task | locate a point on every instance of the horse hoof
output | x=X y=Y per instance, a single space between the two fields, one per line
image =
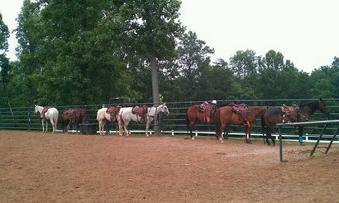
x=192 y=138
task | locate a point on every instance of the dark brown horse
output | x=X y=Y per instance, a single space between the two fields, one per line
x=278 y=114
x=73 y=117
x=306 y=110
x=226 y=116
x=200 y=113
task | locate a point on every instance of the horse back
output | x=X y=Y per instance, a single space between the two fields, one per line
x=227 y=115
x=101 y=114
x=192 y=111
x=273 y=115
x=52 y=113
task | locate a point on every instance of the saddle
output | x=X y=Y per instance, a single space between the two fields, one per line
x=113 y=111
x=140 y=111
x=290 y=113
x=43 y=112
x=241 y=110
x=203 y=107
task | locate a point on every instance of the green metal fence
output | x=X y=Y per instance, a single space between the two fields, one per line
x=24 y=118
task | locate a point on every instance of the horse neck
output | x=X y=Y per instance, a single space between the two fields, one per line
x=310 y=108
x=152 y=111
x=259 y=111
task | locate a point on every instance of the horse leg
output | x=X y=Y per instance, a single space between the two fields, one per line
x=99 y=127
x=147 y=127
x=43 y=125
x=226 y=131
x=103 y=131
x=191 y=126
x=46 y=126
x=55 y=124
x=221 y=130
x=52 y=123
x=67 y=126
x=268 y=135
x=301 y=132
x=273 y=140
x=125 y=128
x=248 y=129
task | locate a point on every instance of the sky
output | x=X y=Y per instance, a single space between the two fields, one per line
x=304 y=31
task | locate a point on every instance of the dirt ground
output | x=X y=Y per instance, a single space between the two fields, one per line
x=77 y=168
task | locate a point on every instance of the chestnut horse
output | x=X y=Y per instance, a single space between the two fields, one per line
x=73 y=117
x=226 y=116
x=195 y=114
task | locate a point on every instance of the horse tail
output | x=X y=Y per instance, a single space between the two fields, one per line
x=217 y=122
x=56 y=119
x=63 y=122
x=187 y=121
x=121 y=120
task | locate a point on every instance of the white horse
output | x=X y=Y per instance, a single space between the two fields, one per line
x=103 y=116
x=47 y=113
x=153 y=113
x=126 y=116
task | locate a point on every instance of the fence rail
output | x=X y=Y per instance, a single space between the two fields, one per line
x=24 y=118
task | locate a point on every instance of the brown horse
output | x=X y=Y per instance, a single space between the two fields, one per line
x=73 y=117
x=227 y=115
x=197 y=113
x=279 y=114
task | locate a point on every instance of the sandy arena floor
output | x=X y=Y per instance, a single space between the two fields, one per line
x=71 y=168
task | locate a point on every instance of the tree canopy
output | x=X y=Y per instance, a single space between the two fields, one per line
x=85 y=52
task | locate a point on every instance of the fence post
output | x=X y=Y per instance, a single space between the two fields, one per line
x=29 y=120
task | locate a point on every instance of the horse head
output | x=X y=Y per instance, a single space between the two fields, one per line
x=36 y=109
x=163 y=109
x=113 y=111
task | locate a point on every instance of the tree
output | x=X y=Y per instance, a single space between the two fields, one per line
x=244 y=63
x=69 y=51
x=326 y=80
x=280 y=79
x=181 y=76
x=275 y=61
x=152 y=27
x=4 y=62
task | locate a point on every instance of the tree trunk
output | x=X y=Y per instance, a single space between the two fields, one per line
x=155 y=89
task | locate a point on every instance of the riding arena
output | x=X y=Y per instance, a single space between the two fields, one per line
x=195 y=151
